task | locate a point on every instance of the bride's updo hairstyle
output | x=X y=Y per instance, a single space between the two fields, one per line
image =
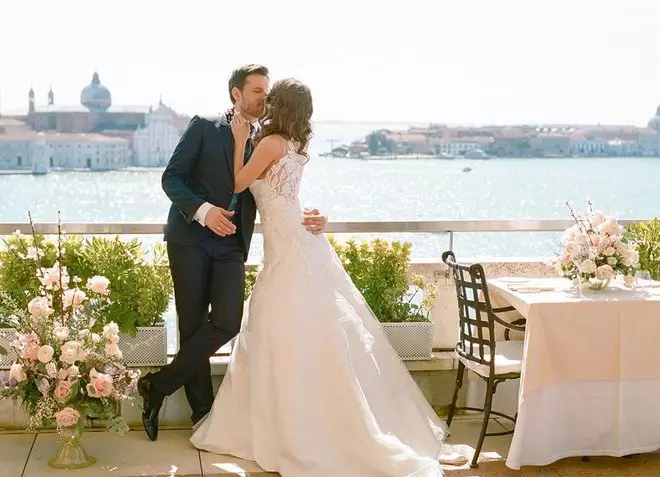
x=288 y=113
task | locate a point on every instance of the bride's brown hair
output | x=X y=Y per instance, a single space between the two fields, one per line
x=288 y=113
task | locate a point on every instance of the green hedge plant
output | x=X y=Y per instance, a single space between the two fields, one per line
x=140 y=291
x=379 y=270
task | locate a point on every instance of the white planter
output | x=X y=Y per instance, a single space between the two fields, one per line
x=147 y=348
x=7 y=336
x=412 y=341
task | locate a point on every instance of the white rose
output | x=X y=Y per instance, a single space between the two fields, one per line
x=51 y=370
x=609 y=251
x=573 y=249
x=74 y=298
x=111 y=328
x=45 y=354
x=95 y=338
x=630 y=258
x=61 y=332
x=610 y=227
x=612 y=261
x=16 y=373
x=73 y=371
x=83 y=333
x=72 y=351
x=98 y=284
x=588 y=266
x=39 y=307
x=604 y=272
x=596 y=218
x=52 y=277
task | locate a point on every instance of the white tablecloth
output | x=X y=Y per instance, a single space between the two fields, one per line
x=590 y=380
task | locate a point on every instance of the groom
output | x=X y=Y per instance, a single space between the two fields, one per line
x=207 y=247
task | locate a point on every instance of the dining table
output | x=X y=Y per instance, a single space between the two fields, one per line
x=590 y=380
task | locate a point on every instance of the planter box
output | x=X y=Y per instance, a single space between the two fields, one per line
x=147 y=348
x=412 y=341
x=7 y=336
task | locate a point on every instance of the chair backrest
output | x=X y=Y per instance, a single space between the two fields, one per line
x=476 y=317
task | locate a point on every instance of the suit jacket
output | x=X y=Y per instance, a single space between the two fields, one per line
x=202 y=170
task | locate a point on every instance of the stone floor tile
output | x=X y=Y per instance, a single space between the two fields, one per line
x=463 y=440
x=229 y=466
x=128 y=456
x=14 y=452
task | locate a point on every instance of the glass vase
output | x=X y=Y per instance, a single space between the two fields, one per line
x=70 y=452
x=595 y=284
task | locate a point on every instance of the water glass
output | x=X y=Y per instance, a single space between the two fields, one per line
x=642 y=279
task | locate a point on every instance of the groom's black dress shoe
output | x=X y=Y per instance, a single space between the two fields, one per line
x=151 y=402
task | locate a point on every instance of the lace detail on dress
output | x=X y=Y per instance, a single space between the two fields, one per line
x=281 y=181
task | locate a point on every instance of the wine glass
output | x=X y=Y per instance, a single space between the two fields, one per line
x=642 y=279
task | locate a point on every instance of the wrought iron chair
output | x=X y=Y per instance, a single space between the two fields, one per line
x=477 y=349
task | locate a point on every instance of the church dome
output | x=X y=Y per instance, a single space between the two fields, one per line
x=95 y=96
x=654 y=123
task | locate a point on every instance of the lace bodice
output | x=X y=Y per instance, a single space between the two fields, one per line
x=287 y=243
x=279 y=189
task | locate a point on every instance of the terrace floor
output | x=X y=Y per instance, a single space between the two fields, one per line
x=26 y=455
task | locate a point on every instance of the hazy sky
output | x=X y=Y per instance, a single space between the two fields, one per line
x=460 y=61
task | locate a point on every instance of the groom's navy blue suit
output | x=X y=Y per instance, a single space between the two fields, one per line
x=206 y=269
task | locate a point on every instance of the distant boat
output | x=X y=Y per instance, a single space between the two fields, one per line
x=476 y=154
x=466 y=169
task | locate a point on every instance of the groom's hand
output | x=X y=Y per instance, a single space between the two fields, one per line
x=314 y=221
x=217 y=220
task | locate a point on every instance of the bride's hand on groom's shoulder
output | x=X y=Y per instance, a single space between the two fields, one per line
x=217 y=219
x=314 y=221
x=240 y=128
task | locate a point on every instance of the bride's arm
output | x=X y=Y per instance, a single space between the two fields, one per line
x=269 y=150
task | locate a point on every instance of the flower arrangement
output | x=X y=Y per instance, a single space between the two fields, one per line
x=595 y=251
x=66 y=372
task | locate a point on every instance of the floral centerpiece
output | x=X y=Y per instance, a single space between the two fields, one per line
x=594 y=251
x=65 y=373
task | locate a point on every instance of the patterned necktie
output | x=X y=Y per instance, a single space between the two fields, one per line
x=248 y=147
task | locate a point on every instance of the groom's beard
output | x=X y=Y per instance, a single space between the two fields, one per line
x=258 y=112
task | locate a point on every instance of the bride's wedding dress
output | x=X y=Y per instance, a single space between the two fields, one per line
x=314 y=388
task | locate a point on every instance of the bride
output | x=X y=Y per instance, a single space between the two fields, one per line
x=313 y=387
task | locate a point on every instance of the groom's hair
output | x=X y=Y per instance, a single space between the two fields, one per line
x=239 y=76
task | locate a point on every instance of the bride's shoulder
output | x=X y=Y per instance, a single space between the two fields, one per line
x=274 y=144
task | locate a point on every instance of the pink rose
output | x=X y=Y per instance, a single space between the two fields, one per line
x=30 y=352
x=67 y=417
x=74 y=298
x=52 y=277
x=63 y=391
x=100 y=385
x=98 y=284
x=17 y=373
x=39 y=307
x=113 y=351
